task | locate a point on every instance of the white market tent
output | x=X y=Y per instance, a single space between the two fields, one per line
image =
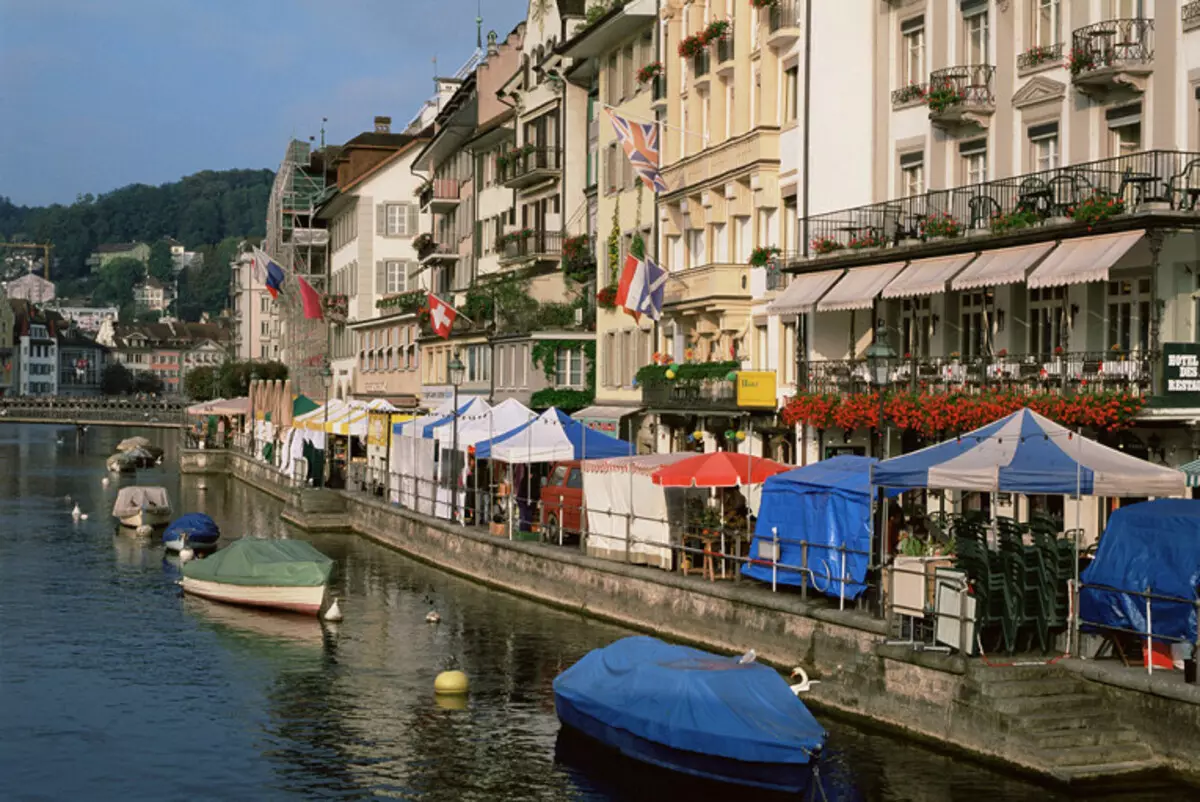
x=472 y=408
x=626 y=510
x=486 y=424
x=553 y=436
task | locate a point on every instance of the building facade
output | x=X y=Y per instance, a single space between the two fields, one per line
x=35 y=350
x=152 y=295
x=81 y=363
x=31 y=287
x=118 y=250
x=88 y=319
x=7 y=352
x=256 y=323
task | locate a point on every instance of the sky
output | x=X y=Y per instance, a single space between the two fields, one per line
x=98 y=94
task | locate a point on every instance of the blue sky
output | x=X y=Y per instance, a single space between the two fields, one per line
x=97 y=94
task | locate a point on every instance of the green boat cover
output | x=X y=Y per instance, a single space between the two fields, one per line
x=256 y=561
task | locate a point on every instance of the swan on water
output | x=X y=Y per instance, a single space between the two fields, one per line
x=104 y=482
x=76 y=513
x=432 y=617
x=805 y=684
x=334 y=613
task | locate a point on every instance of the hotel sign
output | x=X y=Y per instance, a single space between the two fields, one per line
x=756 y=388
x=1181 y=374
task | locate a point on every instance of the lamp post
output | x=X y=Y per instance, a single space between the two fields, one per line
x=880 y=357
x=253 y=411
x=327 y=381
x=455 y=369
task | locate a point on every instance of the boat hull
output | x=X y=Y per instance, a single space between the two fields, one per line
x=785 y=777
x=151 y=518
x=305 y=600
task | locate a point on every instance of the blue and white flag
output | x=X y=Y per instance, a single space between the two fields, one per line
x=652 y=290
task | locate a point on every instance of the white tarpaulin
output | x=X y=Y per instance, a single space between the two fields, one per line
x=626 y=512
x=416 y=426
x=411 y=481
x=485 y=424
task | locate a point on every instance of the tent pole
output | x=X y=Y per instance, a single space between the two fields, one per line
x=1078 y=503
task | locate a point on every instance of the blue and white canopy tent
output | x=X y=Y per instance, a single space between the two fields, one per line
x=472 y=407
x=1028 y=453
x=553 y=436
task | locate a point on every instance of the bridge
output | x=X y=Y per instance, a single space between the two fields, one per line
x=72 y=411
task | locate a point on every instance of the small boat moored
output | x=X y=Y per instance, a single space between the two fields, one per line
x=719 y=718
x=142 y=506
x=256 y=572
x=197 y=530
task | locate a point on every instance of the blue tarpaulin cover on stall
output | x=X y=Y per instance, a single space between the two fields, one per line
x=1156 y=545
x=827 y=504
x=688 y=700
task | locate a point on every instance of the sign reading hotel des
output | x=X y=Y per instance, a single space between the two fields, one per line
x=756 y=388
x=1181 y=374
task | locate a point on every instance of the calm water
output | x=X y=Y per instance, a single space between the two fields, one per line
x=112 y=686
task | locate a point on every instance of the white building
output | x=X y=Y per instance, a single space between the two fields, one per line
x=37 y=365
x=88 y=318
x=152 y=295
x=31 y=287
x=256 y=318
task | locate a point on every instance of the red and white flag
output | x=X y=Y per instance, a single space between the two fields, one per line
x=441 y=315
x=632 y=286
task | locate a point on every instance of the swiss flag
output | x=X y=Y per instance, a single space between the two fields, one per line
x=441 y=315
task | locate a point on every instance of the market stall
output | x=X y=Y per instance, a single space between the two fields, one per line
x=627 y=514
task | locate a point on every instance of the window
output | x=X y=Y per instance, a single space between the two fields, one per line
x=569 y=367
x=1046 y=316
x=398 y=275
x=1129 y=314
x=397 y=220
x=974 y=161
x=695 y=244
x=975 y=332
x=575 y=479
x=479 y=363
x=720 y=239
x=762 y=350
x=1125 y=9
x=791 y=88
x=729 y=110
x=1043 y=145
x=912 y=174
x=912 y=33
x=916 y=326
x=1047 y=22
x=787 y=356
x=627 y=70
x=612 y=168
x=975 y=32
x=1125 y=129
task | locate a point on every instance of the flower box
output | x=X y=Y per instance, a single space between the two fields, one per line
x=649 y=72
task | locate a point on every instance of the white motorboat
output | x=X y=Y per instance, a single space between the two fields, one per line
x=142 y=506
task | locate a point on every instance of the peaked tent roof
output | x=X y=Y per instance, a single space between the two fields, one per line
x=488 y=424
x=1027 y=453
x=474 y=406
x=550 y=437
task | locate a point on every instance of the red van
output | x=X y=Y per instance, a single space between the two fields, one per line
x=562 y=502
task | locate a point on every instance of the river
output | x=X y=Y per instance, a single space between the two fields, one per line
x=112 y=686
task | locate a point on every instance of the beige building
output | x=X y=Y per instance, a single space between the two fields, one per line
x=1014 y=207
x=256 y=323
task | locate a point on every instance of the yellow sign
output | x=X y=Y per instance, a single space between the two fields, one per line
x=378 y=429
x=756 y=388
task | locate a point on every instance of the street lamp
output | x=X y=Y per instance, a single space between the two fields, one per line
x=327 y=381
x=879 y=365
x=253 y=410
x=456 y=371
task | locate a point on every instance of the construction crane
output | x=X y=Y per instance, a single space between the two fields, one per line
x=44 y=248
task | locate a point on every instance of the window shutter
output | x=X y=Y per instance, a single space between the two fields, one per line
x=380 y=277
x=478 y=244
x=411 y=230
x=380 y=219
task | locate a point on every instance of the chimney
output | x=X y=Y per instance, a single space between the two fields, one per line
x=383 y=125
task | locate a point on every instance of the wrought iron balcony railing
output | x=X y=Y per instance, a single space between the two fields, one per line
x=910 y=93
x=1190 y=15
x=1117 y=42
x=1020 y=202
x=1039 y=55
x=690 y=394
x=440 y=190
x=783 y=14
x=1052 y=373
x=967 y=86
x=531 y=163
x=532 y=244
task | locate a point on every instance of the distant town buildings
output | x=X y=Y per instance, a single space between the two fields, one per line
x=168 y=350
x=256 y=321
x=118 y=250
x=88 y=319
x=182 y=259
x=30 y=287
x=152 y=295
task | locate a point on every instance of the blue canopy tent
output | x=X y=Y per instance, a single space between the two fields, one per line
x=828 y=505
x=1155 y=545
x=552 y=436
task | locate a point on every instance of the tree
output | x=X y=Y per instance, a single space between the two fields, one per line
x=149 y=383
x=199 y=383
x=161 y=265
x=115 y=281
x=234 y=377
x=116 y=380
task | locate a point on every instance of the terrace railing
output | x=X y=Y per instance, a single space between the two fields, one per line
x=1111 y=43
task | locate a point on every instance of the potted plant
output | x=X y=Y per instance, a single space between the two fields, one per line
x=607 y=297
x=763 y=3
x=689 y=46
x=1080 y=60
x=865 y=242
x=761 y=256
x=1096 y=208
x=649 y=72
x=423 y=244
x=940 y=226
x=907 y=94
x=1038 y=55
x=823 y=245
x=1018 y=219
x=716 y=31
x=942 y=97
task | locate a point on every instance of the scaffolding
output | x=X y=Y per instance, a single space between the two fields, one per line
x=293 y=240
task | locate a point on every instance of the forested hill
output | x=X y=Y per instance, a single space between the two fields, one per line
x=200 y=211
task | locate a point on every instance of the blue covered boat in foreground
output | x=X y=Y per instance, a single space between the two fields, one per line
x=197 y=529
x=694 y=712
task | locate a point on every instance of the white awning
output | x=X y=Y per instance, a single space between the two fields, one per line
x=927 y=276
x=804 y=291
x=1078 y=261
x=1001 y=266
x=857 y=290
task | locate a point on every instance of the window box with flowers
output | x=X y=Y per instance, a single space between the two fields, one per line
x=940 y=226
x=764 y=3
x=825 y=245
x=1015 y=220
x=402 y=302
x=513 y=236
x=1038 y=55
x=865 y=242
x=908 y=94
x=761 y=256
x=943 y=97
x=649 y=72
x=578 y=261
x=689 y=46
x=1080 y=60
x=1097 y=208
x=717 y=30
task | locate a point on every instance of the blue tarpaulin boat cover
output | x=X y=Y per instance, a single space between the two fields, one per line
x=1155 y=545
x=691 y=700
x=828 y=505
x=198 y=527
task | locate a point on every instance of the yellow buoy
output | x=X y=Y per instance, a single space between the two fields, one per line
x=447 y=701
x=450 y=682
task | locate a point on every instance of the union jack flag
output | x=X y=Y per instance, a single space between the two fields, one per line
x=640 y=141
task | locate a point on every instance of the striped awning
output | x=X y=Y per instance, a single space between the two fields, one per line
x=1192 y=471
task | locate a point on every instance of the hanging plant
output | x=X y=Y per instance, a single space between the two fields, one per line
x=607 y=297
x=761 y=256
x=423 y=243
x=649 y=72
x=689 y=46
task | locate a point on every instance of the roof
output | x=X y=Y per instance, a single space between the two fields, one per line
x=169 y=335
x=153 y=283
x=73 y=339
x=375 y=139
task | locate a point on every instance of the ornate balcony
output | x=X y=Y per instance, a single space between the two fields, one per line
x=709 y=286
x=961 y=97
x=1112 y=56
x=440 y=195
x=531 y=164
x=783 y=24
x=683 y=395
x=1190 y=15
x=437 y=253
x=1028 y=373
